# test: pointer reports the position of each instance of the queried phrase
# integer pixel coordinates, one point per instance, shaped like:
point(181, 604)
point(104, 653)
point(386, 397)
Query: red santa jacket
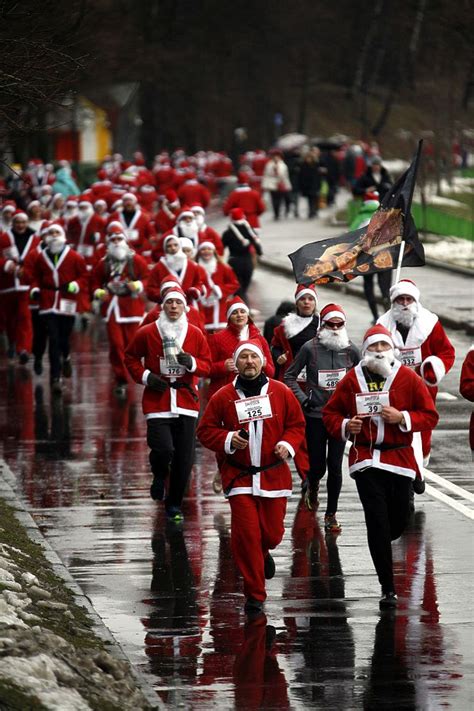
point(286, 426)
point(220, 285)
point(208, 234)
point(426, 342)
point(130, 307)
point(249, 200)
point(85, 236)
point(466, 388)
point(52, 274)
point(8, 253)
point(193, 315)
point(223, 345)
point(164, 221)
point(407, 393)
point(147, 346)
point(139, 232)
point(193, 193)
point(190, 277)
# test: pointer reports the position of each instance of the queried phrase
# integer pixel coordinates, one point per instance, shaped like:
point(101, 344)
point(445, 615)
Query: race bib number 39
point(328, 379)
point(368, 404)
point(253, 408)
point(171, 370)
point(410, 356)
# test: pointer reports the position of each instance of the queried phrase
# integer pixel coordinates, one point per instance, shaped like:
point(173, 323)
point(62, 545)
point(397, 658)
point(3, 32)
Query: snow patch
point(8, 616)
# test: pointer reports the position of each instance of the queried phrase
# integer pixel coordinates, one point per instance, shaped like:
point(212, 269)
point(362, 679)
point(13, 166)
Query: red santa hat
point(242, 177)
point(306, 290)
point(45, 227)
point(85, 201)
point(118, 203)
point(234, 304)
point(372, 196)
point(71, 201)
point(19, 214)
point(175, 293)
point(374, 335)
point(115, 229)
point(332, 311)
point(405, 287)
point(206, 245)
point(130, 196)
point(34, 203)
point(171, 195)
point(9, 206)
point(198, 208)
point(169, 282)
point(237, 214)
point(185, 212)
point(249, 346)
point(57, 228)
point(100, 203)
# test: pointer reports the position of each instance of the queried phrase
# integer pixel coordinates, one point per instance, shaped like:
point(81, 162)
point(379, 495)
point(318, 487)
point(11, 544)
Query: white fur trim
point(288, 446)
point(145, 375)
point(376, 338)
point(175, 295)
point(404, 288)
point(407, 426)
point(186, 213)
point(344, 433)
point(438, 367)
point(334, 314)
point(248, 347)
point(234, 307)
point(306, 292)
point(206, 245)
point(294, 323)
point(227, 444)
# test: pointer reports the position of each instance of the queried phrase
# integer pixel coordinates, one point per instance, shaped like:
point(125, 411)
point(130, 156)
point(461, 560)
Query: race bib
point(132, 234)
point(87, 250)
point(328, 379)
point(67, 306)
point(253, 408)
point(368, 404)
point(171, 370)
point(410, 357)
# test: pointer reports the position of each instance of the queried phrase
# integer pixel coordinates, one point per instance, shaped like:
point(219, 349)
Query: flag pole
point(400, 260)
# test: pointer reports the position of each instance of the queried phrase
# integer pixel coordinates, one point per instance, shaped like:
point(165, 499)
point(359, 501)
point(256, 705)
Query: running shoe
point(331, 524)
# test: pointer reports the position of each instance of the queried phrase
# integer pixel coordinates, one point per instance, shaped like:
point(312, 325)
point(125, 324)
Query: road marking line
point(449, 501)
point(431, 476)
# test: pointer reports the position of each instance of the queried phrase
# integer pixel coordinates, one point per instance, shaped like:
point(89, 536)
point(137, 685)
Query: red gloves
point(428, 374)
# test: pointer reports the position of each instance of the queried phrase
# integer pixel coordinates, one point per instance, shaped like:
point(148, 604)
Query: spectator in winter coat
point(276, 180)
point(376, 178)
point(310, 180)
point(243, 244)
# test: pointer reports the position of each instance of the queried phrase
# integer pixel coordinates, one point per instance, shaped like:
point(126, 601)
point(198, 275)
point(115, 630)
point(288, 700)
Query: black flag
point(371, 249)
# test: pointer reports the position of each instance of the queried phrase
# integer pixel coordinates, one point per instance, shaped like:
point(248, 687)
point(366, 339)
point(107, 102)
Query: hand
point(185, 359)
point(229, 365)
point(100, 294)
point(238, 442)
point(135, 286)
point(281, 451)
point(10, 267)
point(429, 375)
point(282, 358)
point(391, 415)
point(354, 425)
point(156, 383)
point(73, 287)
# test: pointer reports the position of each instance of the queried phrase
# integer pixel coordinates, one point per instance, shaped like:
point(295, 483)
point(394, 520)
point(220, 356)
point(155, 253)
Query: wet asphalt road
point(171, 595)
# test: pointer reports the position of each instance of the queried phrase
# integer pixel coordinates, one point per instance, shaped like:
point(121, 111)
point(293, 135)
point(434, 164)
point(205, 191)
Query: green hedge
point(429, 220)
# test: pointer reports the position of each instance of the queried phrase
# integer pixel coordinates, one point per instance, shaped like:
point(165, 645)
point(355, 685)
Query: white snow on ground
point(40, 675)
point(452, 250)
point(395, 166)
point(440, 200)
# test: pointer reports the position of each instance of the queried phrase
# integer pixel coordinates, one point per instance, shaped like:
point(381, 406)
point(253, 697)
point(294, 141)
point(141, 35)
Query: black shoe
point(38, 366)
point(388, 601)
point(174, 513)
point(311, 496)
point(67, 368)
point(269, 567)
point(419, 486)
point(157, 489)
point(253, 607)
point(24, 358)
point(56, 387)
point(120, 391)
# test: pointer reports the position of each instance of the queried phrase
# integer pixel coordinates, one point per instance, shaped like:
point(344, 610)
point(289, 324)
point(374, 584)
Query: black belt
point(246, 470)
point(179, 386)
point(389, 447)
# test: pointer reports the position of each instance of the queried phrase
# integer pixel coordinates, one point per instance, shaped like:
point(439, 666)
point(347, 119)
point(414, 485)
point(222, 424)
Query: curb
point(348, 288)
point(9, 494)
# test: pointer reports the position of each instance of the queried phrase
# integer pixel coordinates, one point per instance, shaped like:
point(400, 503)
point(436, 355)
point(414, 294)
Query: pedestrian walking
point(310, 181)
point(168, 357)
point(276, 180)
point(254, 425)
point(378, 405)
point(325, 360)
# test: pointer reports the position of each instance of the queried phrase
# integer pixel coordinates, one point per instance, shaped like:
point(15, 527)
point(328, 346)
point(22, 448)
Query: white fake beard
point(171, 329)
point(56, 246)
point(404, 315)
point(380, 363)
point(118, 251)
point(200, 221)
point(334, 340)
point(189, 230)
point(85, 215)
point(210, 266)
point(175, 261)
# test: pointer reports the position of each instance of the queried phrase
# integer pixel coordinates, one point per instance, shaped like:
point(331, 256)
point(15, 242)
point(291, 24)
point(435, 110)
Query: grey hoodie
point(316, 357)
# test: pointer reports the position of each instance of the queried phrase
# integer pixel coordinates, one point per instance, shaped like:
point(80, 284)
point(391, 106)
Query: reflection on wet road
point(172, 597)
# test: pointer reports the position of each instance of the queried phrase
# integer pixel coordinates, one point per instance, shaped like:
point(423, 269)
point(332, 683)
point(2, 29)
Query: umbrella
point(326, 144)
point(290, 141)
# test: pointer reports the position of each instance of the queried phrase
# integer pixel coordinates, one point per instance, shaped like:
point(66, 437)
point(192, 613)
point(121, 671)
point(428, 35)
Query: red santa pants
point(16, 317)
point(257, 526)
point(120, 335)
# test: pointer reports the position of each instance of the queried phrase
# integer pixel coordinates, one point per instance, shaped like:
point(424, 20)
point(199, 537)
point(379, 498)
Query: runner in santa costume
point(86, 230)
point(168, 357)
point(243, 245)
point(221, 283)
point(118, 283)
point(15, 245)
point(248, 200)
point(252, 440)
point(186, 226)
point(325, 360)
point(240, 327)
point(175, 263)
point(466, 388)
point(295, 329)
point(206, 233)
point(193, 192)
point(379, 404)
point(8, 210)
point(192, 313)
point(165, 218)
point(137, 225)
point(421, 341)
point(59, 275)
